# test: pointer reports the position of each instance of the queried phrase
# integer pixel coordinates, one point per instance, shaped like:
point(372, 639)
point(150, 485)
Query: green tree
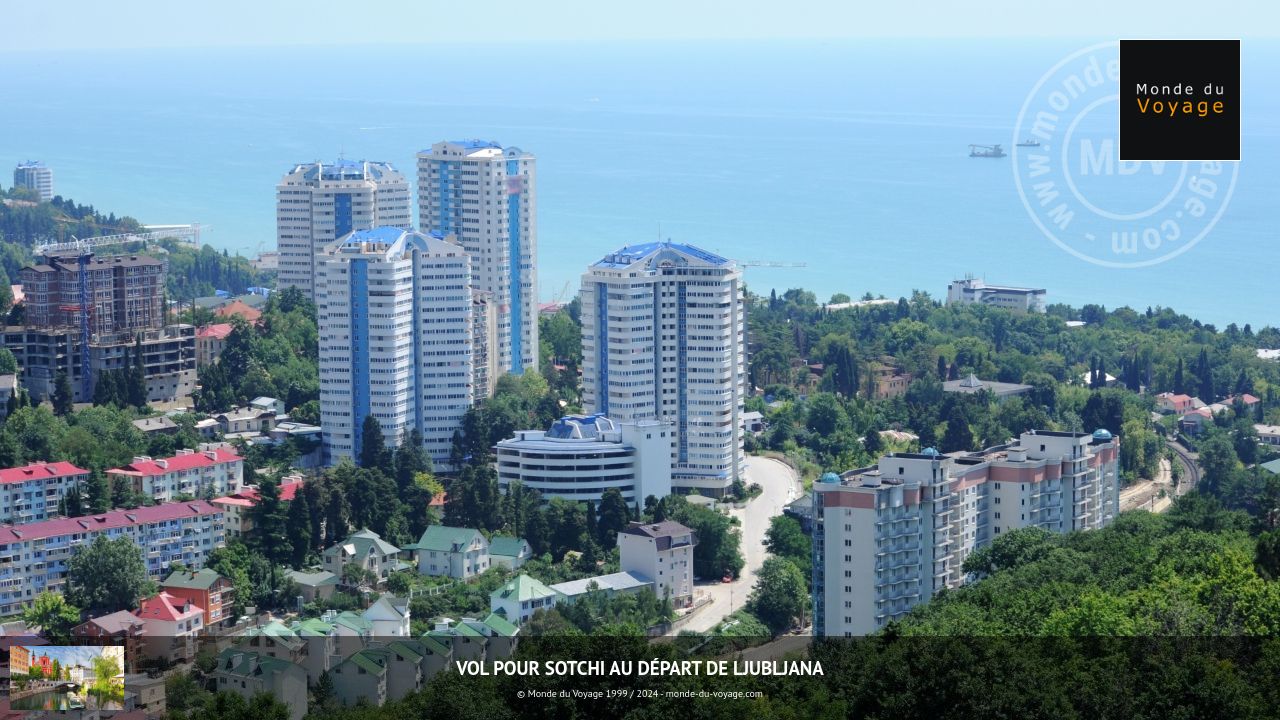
point(780, 594)
point(1267, 555)
point(373, 447)
point(53, 615)
point(269, 534)
point(8, 363)
point(786, 539)
point(411, 459)
point(613, 517)
point(107, 575)
point(62, 395)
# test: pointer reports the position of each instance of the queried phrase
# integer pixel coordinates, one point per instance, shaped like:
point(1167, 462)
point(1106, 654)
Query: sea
point(836, 166)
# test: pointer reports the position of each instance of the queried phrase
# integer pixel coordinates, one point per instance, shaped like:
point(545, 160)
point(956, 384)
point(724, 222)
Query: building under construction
point(84, 315)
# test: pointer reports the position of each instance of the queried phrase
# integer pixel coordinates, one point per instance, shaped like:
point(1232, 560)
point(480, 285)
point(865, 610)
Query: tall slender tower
point(318, 203)
point(663, 337)
point(485, 195)
point(395, 320)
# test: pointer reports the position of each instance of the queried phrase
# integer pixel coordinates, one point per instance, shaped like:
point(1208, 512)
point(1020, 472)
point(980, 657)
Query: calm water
point(851, 158)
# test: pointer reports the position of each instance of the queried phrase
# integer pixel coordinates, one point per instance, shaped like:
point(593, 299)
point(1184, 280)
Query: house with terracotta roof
point(1245, 399)
point(1176, 404)
point(239, 307)
point(171, 625)
point(31, 493)
point(206, 589)
point(237, 505)
point(211, 340)
point(192, 473)
point(184, 532)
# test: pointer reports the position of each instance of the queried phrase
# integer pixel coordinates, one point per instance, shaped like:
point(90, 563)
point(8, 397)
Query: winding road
point(780, 486)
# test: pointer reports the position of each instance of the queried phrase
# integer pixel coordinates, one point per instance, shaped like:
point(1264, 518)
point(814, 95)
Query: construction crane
point(770, 264)
point(82, 252)
point(189, 234)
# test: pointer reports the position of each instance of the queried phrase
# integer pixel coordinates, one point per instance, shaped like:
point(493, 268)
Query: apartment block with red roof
point(236, 506)
point(31, 493)
point(33, 557)
point(191, 473)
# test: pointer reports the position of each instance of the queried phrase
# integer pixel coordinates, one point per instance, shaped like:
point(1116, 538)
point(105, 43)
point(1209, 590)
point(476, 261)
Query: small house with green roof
point(314, 584)
point(249, 674)
point(459, 553)
point(520, 597)
point(364, 549)
point(438, 653)
point(509, 552)
point(362, 677)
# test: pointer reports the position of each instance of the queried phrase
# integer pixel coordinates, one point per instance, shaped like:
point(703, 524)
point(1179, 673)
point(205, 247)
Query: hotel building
point(975, 291)
point(33, 557)
point(663, 339)
point(317, 203)
point(888, 537)
point(395, 320)
point(581, 456)
point(485, 195)
point(34, 175)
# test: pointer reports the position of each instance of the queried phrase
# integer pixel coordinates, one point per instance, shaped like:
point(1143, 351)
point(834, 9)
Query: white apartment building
point(317, 203)
point(395, 325)
point(207, 473)
point(485, 194)
point(581, 456)
point(660, 553)
point(34, 175)
point(888, 537)
point(663, 339)
point(33, 557)
point(975, 291)
point(31, 493)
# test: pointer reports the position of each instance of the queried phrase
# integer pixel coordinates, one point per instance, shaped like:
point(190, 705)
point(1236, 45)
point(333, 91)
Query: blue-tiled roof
point(384, 234)
point(632, 253)
point(477, 144)
point(343, 169)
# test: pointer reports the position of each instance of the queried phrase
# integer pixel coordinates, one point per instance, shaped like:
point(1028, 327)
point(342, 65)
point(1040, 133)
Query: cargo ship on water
point(986, 151)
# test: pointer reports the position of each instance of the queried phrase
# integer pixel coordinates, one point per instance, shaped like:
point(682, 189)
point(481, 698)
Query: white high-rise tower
point(394, 309)
point(663, 337)
point(485, 195)
point(317, 203)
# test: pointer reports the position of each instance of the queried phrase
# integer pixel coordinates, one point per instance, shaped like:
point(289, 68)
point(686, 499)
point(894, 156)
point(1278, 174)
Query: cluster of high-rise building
point(417, 324)
point(889, 537)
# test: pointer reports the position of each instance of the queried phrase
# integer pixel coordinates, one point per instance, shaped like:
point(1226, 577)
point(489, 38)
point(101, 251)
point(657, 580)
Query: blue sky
point(68, 655)
point(91, 24)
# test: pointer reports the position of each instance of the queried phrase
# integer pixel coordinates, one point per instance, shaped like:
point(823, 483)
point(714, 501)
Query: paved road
point(781, 486)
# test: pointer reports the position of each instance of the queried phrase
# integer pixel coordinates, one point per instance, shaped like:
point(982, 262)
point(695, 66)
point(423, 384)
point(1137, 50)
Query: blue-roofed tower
point(663, 338)
point(485, 195)
point(317, 203)
point(394, 310)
